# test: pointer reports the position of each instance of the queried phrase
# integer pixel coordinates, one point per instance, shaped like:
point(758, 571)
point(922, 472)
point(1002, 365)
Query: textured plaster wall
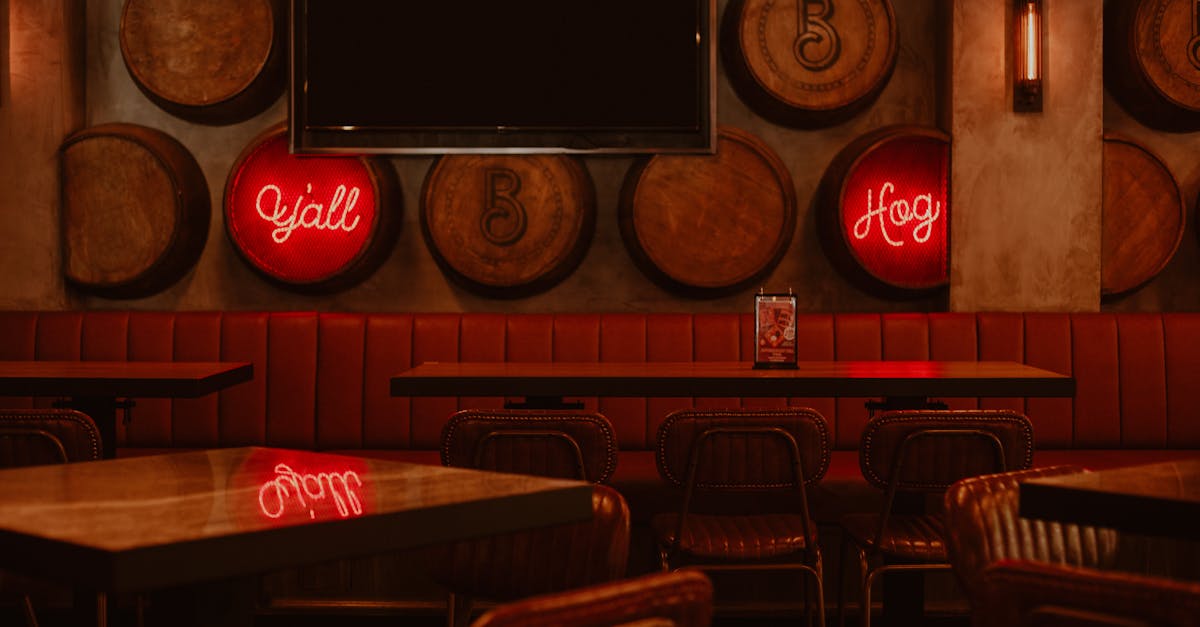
point(606, 280)
point(1027, 187)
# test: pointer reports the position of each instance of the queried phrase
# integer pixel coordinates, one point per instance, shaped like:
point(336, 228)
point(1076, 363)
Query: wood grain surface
point(136, 210)
point(709, 224)
point(1144, 216)
point(508, 225)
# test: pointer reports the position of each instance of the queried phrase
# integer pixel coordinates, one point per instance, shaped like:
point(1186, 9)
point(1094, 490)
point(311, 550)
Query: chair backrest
point(927, 451)
point(983, 526)
point(1022, 593)
point(550, 443)
point(732, 449)
point(539, 561)
point(681, 598)
point(46, 436)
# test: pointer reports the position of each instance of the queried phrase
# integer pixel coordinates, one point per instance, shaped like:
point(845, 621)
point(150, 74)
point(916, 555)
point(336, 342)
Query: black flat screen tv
point(442, 76)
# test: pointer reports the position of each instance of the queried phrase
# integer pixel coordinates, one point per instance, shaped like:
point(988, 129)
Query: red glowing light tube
point(884, 211)
point(310, 223)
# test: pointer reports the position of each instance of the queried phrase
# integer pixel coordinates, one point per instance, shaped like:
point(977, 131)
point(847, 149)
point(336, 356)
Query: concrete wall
point(1025, 230)
point(41, 102)
point(1027, 187)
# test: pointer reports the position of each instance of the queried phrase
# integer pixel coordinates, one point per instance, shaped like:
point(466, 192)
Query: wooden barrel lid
point(1152, 61)
point(713, 224)
point(508, 225)
point(1143, 217)
point(135, 210)
point(215, 61)
point(806, 64)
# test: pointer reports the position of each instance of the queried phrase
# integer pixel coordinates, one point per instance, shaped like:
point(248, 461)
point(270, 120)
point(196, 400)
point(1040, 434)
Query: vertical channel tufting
point(243, 408)
point(623, 340)
point(1097, 416)
point(59, 337)
point(1181, 336)
point(104, 336)
point(435, 338)
point(859, 337)
point(1143, 377)
point(388, 351)
point(1048, 344)
point(576, 338)
point(669, 337)
point(151, 337)
point(482, 337)
point(716, 339)
point(816, 341)
point(18, 341)
point(197, 421)
point(1002, 338)
point(339, 380)
point(953, 337)
point(291, 380)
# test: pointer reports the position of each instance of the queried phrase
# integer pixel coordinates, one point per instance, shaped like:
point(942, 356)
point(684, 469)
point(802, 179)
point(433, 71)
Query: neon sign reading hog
point(886, 209)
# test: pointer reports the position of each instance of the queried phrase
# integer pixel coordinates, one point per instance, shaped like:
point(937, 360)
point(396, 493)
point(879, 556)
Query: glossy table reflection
point(96, 386)
point(150, 522)
point(911, 380)
point(1155, 499)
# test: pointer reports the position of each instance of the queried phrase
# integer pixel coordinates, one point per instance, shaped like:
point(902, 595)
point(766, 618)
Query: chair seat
point(741, 537)
point(907, 537)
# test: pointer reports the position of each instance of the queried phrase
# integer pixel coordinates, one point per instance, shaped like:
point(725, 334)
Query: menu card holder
point(774, 330)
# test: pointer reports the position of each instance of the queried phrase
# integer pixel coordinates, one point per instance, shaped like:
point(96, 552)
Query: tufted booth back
point(321, 380)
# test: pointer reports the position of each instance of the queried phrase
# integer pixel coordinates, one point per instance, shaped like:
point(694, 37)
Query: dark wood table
point(1156, 499)
point(903, 383)
point(146, 523)
point(97, 387)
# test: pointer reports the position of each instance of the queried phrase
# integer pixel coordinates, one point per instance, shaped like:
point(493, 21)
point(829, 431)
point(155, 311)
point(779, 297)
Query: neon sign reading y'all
point(900, 213)
point(311, 215)
point(309, 491)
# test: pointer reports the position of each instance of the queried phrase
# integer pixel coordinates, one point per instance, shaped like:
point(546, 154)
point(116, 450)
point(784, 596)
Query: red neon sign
point(294, 492)
point(895, 212)
point(294, 488)
point(300, 219)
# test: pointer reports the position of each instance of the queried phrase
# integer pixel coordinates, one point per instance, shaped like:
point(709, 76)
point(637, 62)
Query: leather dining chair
point(983, 526)
point(715, 456)
point(30, 437)
point(505, 567)
point(677, 599)
point(1020, 593)
point(909, 455)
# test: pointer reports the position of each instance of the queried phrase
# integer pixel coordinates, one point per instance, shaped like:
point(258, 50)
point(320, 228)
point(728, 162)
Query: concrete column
point(1026, 188)
point(41, 103)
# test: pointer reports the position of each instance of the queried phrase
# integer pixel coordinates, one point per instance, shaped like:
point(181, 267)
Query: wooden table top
point(148, 522)
point(1156, 499)
point(181, 379)
point(701, 378)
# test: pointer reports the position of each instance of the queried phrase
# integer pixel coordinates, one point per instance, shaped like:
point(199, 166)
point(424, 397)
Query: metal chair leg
point(30, 615)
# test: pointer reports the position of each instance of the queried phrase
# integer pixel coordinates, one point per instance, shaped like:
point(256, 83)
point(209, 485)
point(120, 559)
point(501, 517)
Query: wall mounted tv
point(432, 76)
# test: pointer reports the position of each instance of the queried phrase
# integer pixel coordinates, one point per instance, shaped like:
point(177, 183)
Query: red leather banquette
point(321, 379)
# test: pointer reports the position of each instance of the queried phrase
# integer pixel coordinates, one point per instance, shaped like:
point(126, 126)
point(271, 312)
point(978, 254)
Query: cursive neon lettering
point(308, 490)
point(337, 215)
point(922, 211)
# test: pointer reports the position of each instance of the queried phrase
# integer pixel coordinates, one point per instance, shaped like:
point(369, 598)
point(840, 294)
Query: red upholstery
point(322, 379)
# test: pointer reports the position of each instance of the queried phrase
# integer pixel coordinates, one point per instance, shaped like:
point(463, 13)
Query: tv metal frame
point(501, 140)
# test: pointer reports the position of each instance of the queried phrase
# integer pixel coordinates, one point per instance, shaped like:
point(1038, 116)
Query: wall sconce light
point(1028, 56)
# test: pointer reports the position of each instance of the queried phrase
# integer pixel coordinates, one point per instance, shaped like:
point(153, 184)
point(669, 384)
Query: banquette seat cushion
point(322, 379)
